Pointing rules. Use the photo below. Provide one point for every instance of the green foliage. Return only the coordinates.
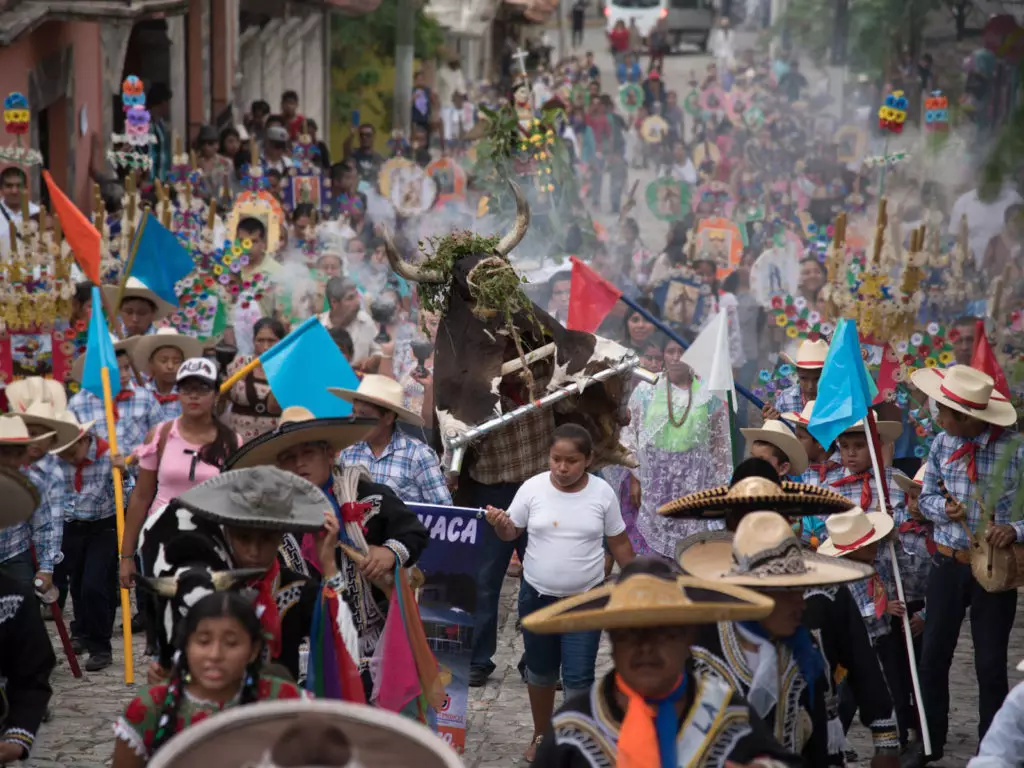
(444, 253)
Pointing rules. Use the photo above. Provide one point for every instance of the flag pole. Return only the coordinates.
(126, 610)
(238, 375)
(126, 273)
(873, 443)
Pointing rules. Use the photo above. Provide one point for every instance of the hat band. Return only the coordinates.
(784, 560)
(962, 400)
(854, 544)
(810, 363)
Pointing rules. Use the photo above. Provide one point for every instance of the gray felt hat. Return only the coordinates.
(259, 497)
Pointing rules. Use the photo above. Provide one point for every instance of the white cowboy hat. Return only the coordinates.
(968, 391)
(146, 346)
(763, 554)
(136, 289)
(22, 393)
(381, 391)
(62, 422)
(128, 345)
(800, 419)
(809, 355)
(888, 431)
(907, 484)
(778, 434)
(13, 431)
(298, 426)
(853, 530)
(20, 498)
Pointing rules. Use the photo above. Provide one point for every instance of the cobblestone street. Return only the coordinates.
(499, 722)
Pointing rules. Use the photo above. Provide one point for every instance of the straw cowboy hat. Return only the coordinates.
(764, 553)
(888, 431)
(968, 391)
(136, 289)
(146, 346)
(62, 422)
(799, 419)
(20, 498)
(906, 484)
(646, 600)
(260, 497)
(22, 393)
(758, 493)
(298, 426)
(127, 346)
(853, 530)
(382, 391)
(776, 433)
(13, 431)
(299, 732)
(809, 355)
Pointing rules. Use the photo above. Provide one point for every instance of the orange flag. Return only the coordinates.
(78, 230)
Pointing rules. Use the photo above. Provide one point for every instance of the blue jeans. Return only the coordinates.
(495, 556)
(574, 653)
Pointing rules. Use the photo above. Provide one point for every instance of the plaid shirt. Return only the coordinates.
(517, 452)
(170, 405)
(863, 591)
(94, 500)
(819, 475)
(45, 528)
(854, 491)
(789, 400)
(407, 466)
(954, 475)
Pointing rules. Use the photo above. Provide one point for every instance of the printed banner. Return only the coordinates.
(29, 352)
(447, 602)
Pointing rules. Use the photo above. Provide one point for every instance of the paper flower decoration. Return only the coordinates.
(16, 114)
(798, 320)
(136, 126)
(936, 113)
(132, 93)
(893, 113)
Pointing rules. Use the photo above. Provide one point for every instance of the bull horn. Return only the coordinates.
(225, 580)
(164, 586)
(409, 271)
(511, 240)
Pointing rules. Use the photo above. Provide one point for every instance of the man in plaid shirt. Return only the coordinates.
(962, 468)
(810, 360)
(41, 531)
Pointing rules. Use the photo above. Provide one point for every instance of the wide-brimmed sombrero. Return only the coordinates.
(259, 497)
(968, 391)
(127, 345)
(61, 422)
(646, 600)
(776, 433)
(145, 346)
(20, 498)
(306, 733)
(381, 391)
(298, 426)
(907, 484)
(136, 289)
(853, 530)
(758, 493)
(764, 553)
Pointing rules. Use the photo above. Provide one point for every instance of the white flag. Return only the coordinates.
(709, 358)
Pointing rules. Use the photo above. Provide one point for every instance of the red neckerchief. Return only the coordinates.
(120, 397)
(164, 399)
(919, 528)
(101, 449)
(270, 619)
(878, 596)
(865, 489)
(969, 449)
(823, 469)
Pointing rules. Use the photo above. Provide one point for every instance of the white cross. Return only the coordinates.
(520, 55)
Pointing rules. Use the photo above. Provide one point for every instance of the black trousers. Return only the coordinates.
(577, 32)
(951, 589)
(90, 565)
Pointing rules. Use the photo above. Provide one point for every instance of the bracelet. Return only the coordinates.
(128, 557)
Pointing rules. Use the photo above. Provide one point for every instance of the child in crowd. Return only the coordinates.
(159, 356)
(775, 443)
(823, 468)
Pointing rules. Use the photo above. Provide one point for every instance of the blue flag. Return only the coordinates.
(160, 259)
(303, 365)
(99, 352)
(845, 391)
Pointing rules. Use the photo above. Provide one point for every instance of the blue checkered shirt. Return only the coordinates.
(959, 486)
(789, 400)
(408, 466)
(95, 501)
(820, 475)
(41, 530)
(137, 415)
(171, 409)
(913, 587)
(852, 491)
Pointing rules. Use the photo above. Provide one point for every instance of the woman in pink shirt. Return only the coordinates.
(178, 454)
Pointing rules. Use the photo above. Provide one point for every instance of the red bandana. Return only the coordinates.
(164, 399)
(101, 449)
(120, 397)
(823, 469)
(865, 490)
(878, 596)
(969, 449)
(270, 619)
(919, 528)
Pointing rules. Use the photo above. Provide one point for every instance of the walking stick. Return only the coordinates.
(58, 619)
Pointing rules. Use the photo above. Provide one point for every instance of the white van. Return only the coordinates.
(689, 20)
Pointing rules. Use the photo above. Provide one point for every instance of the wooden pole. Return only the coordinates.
(127, 271)
(238, 375)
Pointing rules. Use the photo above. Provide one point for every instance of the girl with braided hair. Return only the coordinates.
(216, 667)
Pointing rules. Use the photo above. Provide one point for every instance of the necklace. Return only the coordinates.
(689, 402)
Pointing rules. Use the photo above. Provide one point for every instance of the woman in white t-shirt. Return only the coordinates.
(567, 514)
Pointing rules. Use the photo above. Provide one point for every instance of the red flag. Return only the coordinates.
(983, 358)
(886, 375)
(591, 298)
(78, 230)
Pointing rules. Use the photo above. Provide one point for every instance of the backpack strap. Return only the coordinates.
(164, 433)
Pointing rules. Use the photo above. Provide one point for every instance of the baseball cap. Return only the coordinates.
(277, 133)
(198, 368)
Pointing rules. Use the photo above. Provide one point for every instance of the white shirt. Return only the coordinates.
(1003, 745)
(984, 220)
(686, 172)
(565, 533)
(13, 215)
(458, 121)
(363, 331)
